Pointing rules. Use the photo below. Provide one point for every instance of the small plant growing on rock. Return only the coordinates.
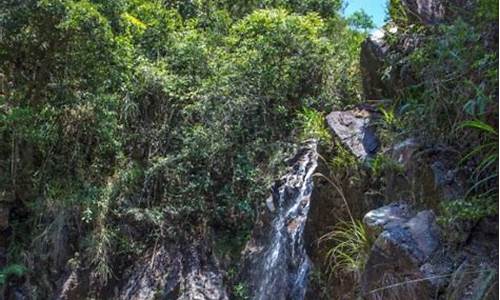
(382, 163)
(471, 209)
(313, 125)
(240, 291)
(343, 161)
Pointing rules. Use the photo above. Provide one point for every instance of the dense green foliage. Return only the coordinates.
(171, 117)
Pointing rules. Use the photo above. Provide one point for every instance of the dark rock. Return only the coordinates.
(404, 246)
(182, 271)
(427, 12)
(4, 218)
(447, 180)
(275, 264)
(5, 231)
(354, 130)
(372, 58)
(429, 174)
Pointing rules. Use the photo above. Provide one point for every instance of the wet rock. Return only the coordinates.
(354, 129)
(405, 244)
(275, 264)
(426, 12)
(184, 272)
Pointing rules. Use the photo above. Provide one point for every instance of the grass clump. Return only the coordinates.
(350, 250)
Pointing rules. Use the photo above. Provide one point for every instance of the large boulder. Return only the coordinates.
(355, 131)
(400, 260)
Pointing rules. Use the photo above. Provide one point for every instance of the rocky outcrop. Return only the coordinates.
(275, 265)
(372, 57)
(184, 272)
(426, 12)
(355, 131)
(399, 264)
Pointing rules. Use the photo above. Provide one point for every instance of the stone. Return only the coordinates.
(447, 180)
(426, 12)
(406, 243)
(403, 152)
(372, 57)
(354, 129)
(387, 216)
(184, 272)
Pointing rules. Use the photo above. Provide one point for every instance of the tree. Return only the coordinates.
(360, 20)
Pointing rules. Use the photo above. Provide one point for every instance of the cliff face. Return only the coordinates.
(404, 188)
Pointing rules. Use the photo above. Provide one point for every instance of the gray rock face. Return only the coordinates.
(353, 129)
(401, 254)
(275, 265)
(184, 272)
(427, 12)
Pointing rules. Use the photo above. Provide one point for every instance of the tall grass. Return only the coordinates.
(352, 245)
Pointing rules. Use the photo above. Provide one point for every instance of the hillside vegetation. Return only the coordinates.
(175, 116)
(127, 123)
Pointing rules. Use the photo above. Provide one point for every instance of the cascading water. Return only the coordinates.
(275, 263)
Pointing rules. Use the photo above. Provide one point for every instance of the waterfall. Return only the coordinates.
(275, 264)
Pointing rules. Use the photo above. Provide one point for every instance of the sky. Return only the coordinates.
(374, 8)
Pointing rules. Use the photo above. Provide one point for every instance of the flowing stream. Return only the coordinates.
(276, 265)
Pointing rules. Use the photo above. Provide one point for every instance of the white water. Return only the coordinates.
(280, 270)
